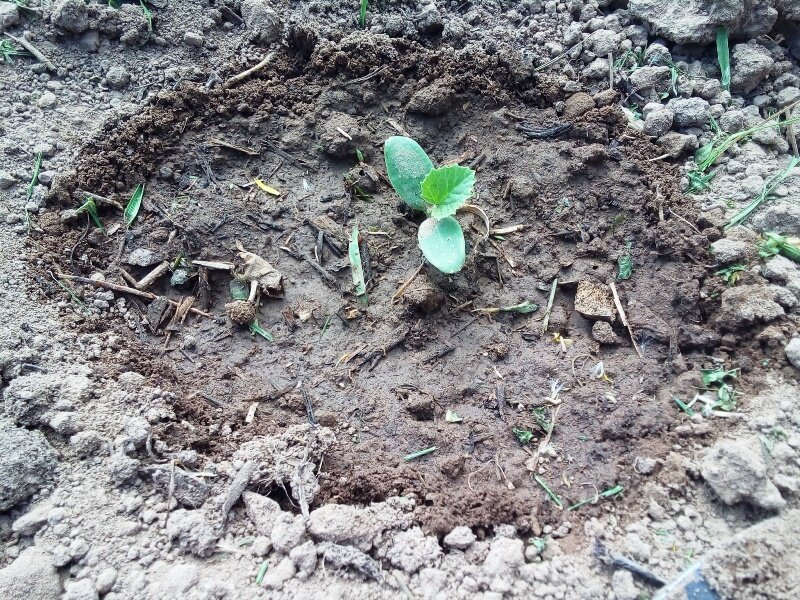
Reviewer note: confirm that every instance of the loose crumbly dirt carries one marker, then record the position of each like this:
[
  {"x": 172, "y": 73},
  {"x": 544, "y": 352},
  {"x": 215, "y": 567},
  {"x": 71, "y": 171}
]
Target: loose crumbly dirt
[{"x": 385, "y": 376}]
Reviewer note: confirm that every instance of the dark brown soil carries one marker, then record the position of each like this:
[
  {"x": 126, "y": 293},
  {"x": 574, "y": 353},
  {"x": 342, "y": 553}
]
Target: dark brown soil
[{"x": 383, "y": 377}]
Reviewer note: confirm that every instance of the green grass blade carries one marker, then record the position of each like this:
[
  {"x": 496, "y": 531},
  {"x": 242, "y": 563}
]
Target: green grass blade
[
  {"x": 708, "y": 154},
  {"x": 724, "y": 57},
  {"x": 36, "y": 168},
  {"x": 418, "y": 453},
  {"x": 617, "y": 489},
  {"x": 90, "y": 207},
  {"x": 256, "y": 328},
  {"x": 148, "y": 14},
  {"x": 261, "y": 572},
  {"x": 134, "y": 204},
  {"x": 362, "y": 17},
  {"x": 687, "y": 409},
  {"x": 769, "y": 187},
  {"x": 547, "y": 489}
]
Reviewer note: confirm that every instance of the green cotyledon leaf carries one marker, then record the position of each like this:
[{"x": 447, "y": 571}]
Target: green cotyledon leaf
[
  {"x": 442, "y": 243},
  {"x": 407, "y": 165}
]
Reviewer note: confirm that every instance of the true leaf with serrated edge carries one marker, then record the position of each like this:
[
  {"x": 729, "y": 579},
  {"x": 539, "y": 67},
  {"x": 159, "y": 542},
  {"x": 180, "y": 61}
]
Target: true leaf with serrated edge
[
  {"x": 134, "y": 204},
  {"x": 447, "y": 189},
  {"x": 442, "y": 243},
  {"x": 407, "y": 165}
]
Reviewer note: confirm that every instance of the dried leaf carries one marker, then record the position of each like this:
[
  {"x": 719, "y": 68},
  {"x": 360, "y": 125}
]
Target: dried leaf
[{"x": 255, "y": 268}]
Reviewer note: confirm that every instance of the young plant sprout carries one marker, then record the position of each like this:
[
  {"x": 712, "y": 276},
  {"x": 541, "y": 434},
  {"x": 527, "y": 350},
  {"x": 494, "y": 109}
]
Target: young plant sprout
[{"x": 438, "y": 192}]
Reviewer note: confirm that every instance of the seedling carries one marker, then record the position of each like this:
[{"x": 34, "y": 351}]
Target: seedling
[
  {"x": 362, "y": 15},
  {"x": 708, "y": 154},
  {"x": 438, "y": 192},
  {"x": 683, "y": 406},
  {"x": 266, "y": 188},
  {"x": 91, "y": 208},
  {"x": 766, "y": 192},
  {"x": 325, "y": 325},
  {"x": 714, "y": 380},
  {"x": 699, "y": 181},
  {"x": 549, "y": 310},
  {"x": 134, "y": 204},
  {"x": 775, "y": 244},
  {"x": 730, "y": 275},
  {"x": 539, "y": 543},
  {"x": 262, "y": 571},
  {"x": 724, "y": 57},
  {"x": 523, "y": 435},
  {"x": 37, "y": 166},
  {"x": 256, "y": 328}
]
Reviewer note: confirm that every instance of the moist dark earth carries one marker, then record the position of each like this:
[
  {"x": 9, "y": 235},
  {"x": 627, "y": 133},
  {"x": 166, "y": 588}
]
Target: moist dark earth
[{"x": 384, "y": 376}]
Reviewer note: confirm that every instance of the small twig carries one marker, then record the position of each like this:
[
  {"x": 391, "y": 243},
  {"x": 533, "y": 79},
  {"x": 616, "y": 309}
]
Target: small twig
[
  {"x": 224, "y": 144},
  {"x": 245, "y": 74},
  {"x": 123, "y": 289},
  {"x": 563, "y": 54},
  {"x": 676, "y": 215},
  {"x": 463, "y": 327},
  {"x": 170, "y": 490},
  {"x": 148, "y": 280},
  {"x": 574, "y": 374},
  {"x": 546, "y": 320},
  {"x": 657, "y": 158},
  {"x": 34, "y": 52},
  {"x": 611, "y": 70},
  {"x": 506, "y": 230},
  {"x": 399, "y": 293},
  {"x": 534, "y": 460},
  {"x": 477, "y": 210},
  {"x": 624, "y": 318},
  {"x": 375, "y": 73}
]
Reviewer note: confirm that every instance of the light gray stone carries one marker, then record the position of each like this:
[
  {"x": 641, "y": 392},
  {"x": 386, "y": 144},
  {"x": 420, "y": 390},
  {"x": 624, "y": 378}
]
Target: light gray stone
[
  {"x": 737, "y": 472},
  {"x": 279, "y": 574},
  {"x": 750, "y": 65},
  {"x": 650, "y": 77},
  {"x": 728, "y": 251},
  {"x": 687, "y": 21},
  {"x": 460, "y": 537},
  {"x": 27, "y": 463},
  {"x": 658, "y": 122},
  {"x": 118, "y": 77},
  {"x": 70, "y": 15},
  {"x": 793, "y": 352},
  {"x": 690, "y": 112},
  {"x": 410, "y": 550},
  {"x": 263, "y": 23},
  {"x": 31, "y": 575},
  {"x": 9, "y": 15},
  {"x": 505, "y": 556}
]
